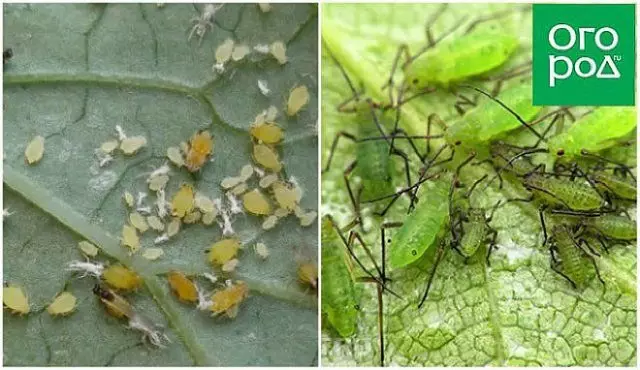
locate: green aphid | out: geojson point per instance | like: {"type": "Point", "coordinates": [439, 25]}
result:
{"type": "Point", "coordinates": [577, 195]}
{"type": "Point", "coordinates": [569, 258]}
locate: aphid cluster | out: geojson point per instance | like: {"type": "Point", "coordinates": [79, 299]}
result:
{"type": "Point", "coordinates": [128, 145]}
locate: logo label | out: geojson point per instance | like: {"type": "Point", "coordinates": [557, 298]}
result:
{"type": "Point", "coordinates": [584, 54]}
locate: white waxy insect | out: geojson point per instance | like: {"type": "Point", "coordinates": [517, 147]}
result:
{"type": "Point", "coordinates": [279, 51]}
{"type": "Point", "coordinates": [161, 239]}
{"type": "Point", "coordinates": [152, 253]}
{"type": "Point", "coordinates": [239, 189]}
{"type": "Point", "coordinates": [128, 199]}
{"type": "Point", "coordinates": [268, 180]}
{"type": "Point", "coordinates": [192, 217]}
{"type": "Point", "coordinates": [239, 52]}
{"type": "Point", "coordinates": [281, 212]}
{"type": "Point", "coordinates": [130, 238]}
{"type": "Point", "coordinates": [131, 145]}
{"type": "Point", "coordinates": [109, 146]}
{"type": "Point", "coordinates": [298, 98]}
{"type": "Point", "coordinates": [308, 218]}
{"type": "Point", "coordinates": [227, 229]}
{"type": "Point", "coordinates": [87, 268]}
{"type": "Point", "coordinates": [105, 160]}
{"type": "Point", "coordinates": [209, 276]}
{"type": "Point", "coordinates": [144, 210]}
{"type": "Point", "coordinates": [230, 182]}
{"type": "Point", "coordinates": [224, 51]}
{"type": "Point", "coordinates": [262, 48]}
{"type": "Point", "coordinates": [62, 305]}
{"type": "Point", "coordinates": [259, 171]}
{"type": "Point", "coordinates": [173, 227]}
{"type": "Point", "coordinates": [230, 265]}
{"type": "Point", "coordinates": [203, 21]}
{"type": "Point", "coordinates": [35, 149]}
{"type": "Point", "coordinates": [161, 204]}
{"type": "Point", "coordinates": [204, 203]}
{"type": "Point", "coordinates": [175, 156]}
{"type": "Point", "coordinates": [246, 172]}
{"type": "Point", "coordinates": [204, 301]}
{"type": "Point", "coordinates": [158, 182]}
{"type": "Point", "coordinates": [270, 222]}
{"type": "Point", "coordinates": [138, 221]}
{"type": "Point", "coordinates": [150, 331]}
{"type": "Point", "coordinates": [218, 68]}
{"type": "Point", "coordinates": [262, 250]}
{"type": "Point", "coordinates": [299, 212]}
{"type": "Point", "coordinates": [120, 132]}
{"type": "Point", "coordinates": [162, 170]}
{"type": "Point", "coordinates": [272, 113]}
{"type": "Point", "coordinates": [264, 7]}
{"type": "Point", "coordinates": [6, 214]}
{"type": "Point", "coordinates": [155, 223]}
{"type": "Point", "coordinates": [208, 218]}
{"type": "Point", "coordinates": [264, 88]}
{"type": "Point", "coordinates": [141, 198]}
{"type": "Point", "coordinates": [234, 204]}
{"type": "Point", "coordinates": [88, 249]}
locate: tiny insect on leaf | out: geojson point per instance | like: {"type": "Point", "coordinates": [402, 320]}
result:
{"type": "Point", "coordinates": [266, 157]}
{"type": "Point", "coordinates": [14, 298]}
{"type": "Point", "coordinates": [279, 51]}
{"type": "Point", "coordinates": [132, 145]}
{"type": "Point", "coordinates": [227, 299]}
{"type": "Point", "coordinates": [35, 149]}
{"type": "Point", "coordinates": [120, 277]}
{"type": "Point", "coordinates": [268, 133]}
{"type": "Point", "coordinates": [88, 249]}
{"type": "Point", "coordinates": [130, 238]}
{"type": "Point", "coordinates": [183, 201]}
{"type": "Point", "coordinates": [308, 274]}
{"type": "Point", "coordinates": [182, 286]}
{"type": "Point", "coordinates": [224, 51]}
{"type": "Point", "coordinates": [199, 148]}
{"type": "Point", "coordinates": [175, 156]}
{"type": "Point", "coordinates": [155, 223]}
{"type": "Point", "coordinates": [256, 203]}
{"type": "Point", "coordinates": [138, 221]}
{"type": "Point", "coordinates": [63, 304]}
{"type": "Point", "coordinates": [223, 251]}
{"type": "Point", "coordinates": [109, 146]}
{"type": "Point", "coordinates": [298, 98]}
{"type": "Point", "coordinates": [152, 254]}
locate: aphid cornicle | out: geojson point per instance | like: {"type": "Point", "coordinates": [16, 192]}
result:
{"type": "Point", "coordinates": [199, 149]}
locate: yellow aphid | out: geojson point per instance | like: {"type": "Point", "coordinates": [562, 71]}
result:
{"type": "Point", "coordinates": [120, 277]}
{"type": "Point", "coordinates": [203, 203]}
{"type": "Point", "coordinates": [130, 238]}
{"type": "Point", "coordinates": [115, 304]}
{"type": "Point", "coordinates": [286, 196]}
{"type": "Point", "coordinates": [158, 182]}
{"type": "Point", "coordinates": [230, 265]}
{"type": "Point", "coordinates": [262, 250]}
{"type": "Point", "coordinates": [88, 249]}
{"type": "Point", "coordinates": [239, 52]}
{"type": "Point", "coordinates": [175, 156]}
{"type": "Point", "coordinates": [200, 147]}
{"type": "Point", "coordinates": [182, 287]}
{"type": "Point", "coordinates": [228, 299]}
{"type": "Point", "coordinates": [256, 203]}
{"type": "Point", "coordinates": [155, 222]}
{"type": "Point", "coordinates": [279, 51]}
{"type": "Point", "coordinates": [138, 221]}
{"type": "Point", "coordinates": [109, 146]}
{"type": "Point", "coordinates": [173, 227]}
{"type": "Point", "coordinates": [265, 7]}
{"type": "Point", "coordinates": [192, 217]}
{"type": "Point", "coordinates": [268, 133]}
{"type": "Point", "coordinates": [15, 300]}
{"type": "Point", "coordinates": [308, 274]}
{"type": "Point", "coordinates": [240, 189]}
{"type": "Point", "coordinates": [308, 218]}
{"type": "Point", "coordinates": [223, 251]}
{"type": "Point", "coordinates": [271, 114]}
{"type": "Point", "coordinates": [281, 212]}
{"type": "Point", "coordinates": [208, 218]}
{"type": "Point", "coordinates": [129, 199]}
{"type": "Point", "coordinates": [152, 254]}
{"type": "Point", "coordinates": [246, 172]}
{"type": "Point", "coordinates": [298, 98]}
{"type": "Point", "coordinates": [268, 180]}
{"type": "Point", "coordinates": [270, 222]}
{"type": "Point", "coordinates": [266, 157]}
{"type": "Point", "coordinates": [229, 182]}
{"type": "Point", "coordinates": [63, 304]}
{"type": "Point", "coordinates": [35, 149]}
{"type": "Point", "coordinates": [131, 145]}
{"type": "Point", "coordinates": [183, 201]}
{"type": "Point", "coordinates": [223, 52]}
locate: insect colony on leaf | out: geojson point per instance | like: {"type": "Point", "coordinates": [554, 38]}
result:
{"type": "Point", "coordinates": [582, 199]}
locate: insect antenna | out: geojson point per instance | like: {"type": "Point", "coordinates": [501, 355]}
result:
{"type": "Point", "coordinates": [439, 254]}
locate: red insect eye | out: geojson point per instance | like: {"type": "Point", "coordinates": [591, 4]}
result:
{"type": "Point", "coordinates": [560, 152]}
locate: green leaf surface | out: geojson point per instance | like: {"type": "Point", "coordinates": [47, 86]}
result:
{"type": "Point", "coordinates": [78, 71]}
{"type": "Point", "coordinates": [517, 312]}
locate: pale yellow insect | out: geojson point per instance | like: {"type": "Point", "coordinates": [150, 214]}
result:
{"type": "Point", "coordinates": [228, 299]}
{"type": "Point", "coordinates": [268, 133]}
{"type": "Point", "coordinates": [246, 172]}
{"type": "Point", "coordinates": [120, 277]}
{"type": "Point", "coordinates": [182, 286]}
{"type": "Point", "coordinates": [158, 182]}
{"type": "Point", "coordinates": [192, 217]}
{"type": "Point", "coordinates": [200, 147]}
{"type": "Point", "coordinates": [281, 212]}
{"type": "Point", "coordinates": [204, 203]}
{"type": "Point", "coordinates": [88, 249]}
{"type": "Point", "coordinates": [183, 201]}
{"type": "Point", "coordinates": [131, 145]}
{"type": "Point", "coordinates": [35, 149]}
{"type": "Point", "coordinates": [208, 218]}
{"type": "Point", "coordinates": [256, 203]}
{"type": "Point", "coordinates": [152, 254]}
{"type": "Point", "coordinates": [223, 251]}
{"type": "Point", "coordinates": [129, 199]}
{"type": "Point", "coordinates": [268, 180]}
{"type": "Point", "coordinates": [279, 51]}
{"type": "Point", "coordinates": [271, 113]}
{"type": "Point", "coordinates": [239, 189]}
{"type": "Point", "coordinates": [229, 182]}
{"type": "Point", "coordinates": [155, 222]}
{"type": "Point", "coordinates": [308, 218]}
{"type": "Point", "coordinates": [270, 222]}
{"type": "Point", "coordinates": [130, 238]}
{"type": "Point", "coordinates": [286, 196]}
{"type": "Point", "coordinates": [265, 7]}
{"type": "Point", "coordinates": [239, 52]}
{"type": "Point", "coordinates": [298, 98]}
{"type": "Point", "coordinates": [175, 156]}
{"type": "Point", "coordinates": [138, 221]}
{"type": "Point", "coordinates": [224, 51]}
{"type": "Point", "coordinates": [230, 265]}
{"type": "Point", "coordinates": [173, 227]}
{"type": "Point", "coordinates": [109, 146]}
{"type": "Point", "coordinates": [308, 274]}
{"type": "Point", "coordinates": [15, 300]}
{"type": "Point", "coordinates": [262, 250]}
{"type": "Point", "coordinates": [63, 304]}
{"type": "Point", "coordinates": [266, 157]}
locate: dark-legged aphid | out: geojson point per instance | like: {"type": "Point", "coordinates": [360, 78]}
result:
{"type": "Point", "coordinates": [577, 195]}
{"type": "Point", "coordinates": [606, 226]}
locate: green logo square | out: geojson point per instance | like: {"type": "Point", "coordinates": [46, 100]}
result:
{"type": "Point", "coordinates": [584, 54]}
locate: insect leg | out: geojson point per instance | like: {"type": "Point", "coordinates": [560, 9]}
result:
{"type": "Point", "coordinates": [463, 101]}
{"type": "Point", "coordinates": [346, 174]}
{"type": "Point", "coordinates": [494, 234]}
{"type": "Point", "coordinates": [381, 277]}
{"type": "Point", "coordinates": [543, 225]}
{"type": "Point", "coordinates": [403, 50]}
{"type": "Point", "coordinates": [439, 254]}
{"type": "Point", "coordinates": [487, 18]}
{"type": "Point", "coordinates": [433, 118]}
{"type": "Point", "coordinates": [557, 271]}
{"type": "Point", "coordinates": [621, 166]}
{"type": "Point", "coordinates": [335, 144]}
{"type": "Point", "coordinates": [380, 323]}
{"type": "Point", "coordinates": [405, 159]}
{"type": "Point", "coordinates": [590, 256]}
